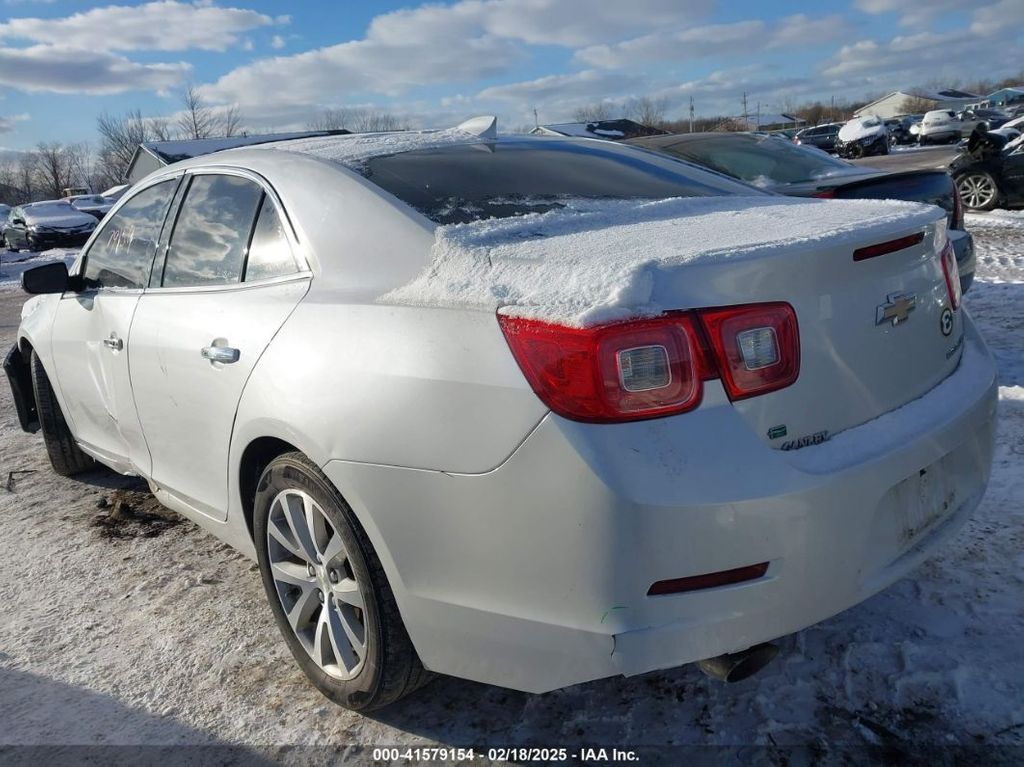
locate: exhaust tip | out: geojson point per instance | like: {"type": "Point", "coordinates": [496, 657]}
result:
{"type": "Point", "coordinates": [737, 666]}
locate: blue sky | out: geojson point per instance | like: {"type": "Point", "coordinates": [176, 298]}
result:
{"type": "Point", "coordinates": [63, 62]}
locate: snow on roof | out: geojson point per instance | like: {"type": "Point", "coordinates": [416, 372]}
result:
{"type": "Point", "coordinates": [947, 94]}
{"type": "Point", "coordinates": [597, 261]}
{"type": "Point", "coordinates": [114, 190]}
{"type": "Point", "coordinates": [174, 151]}
{"type": "Point", "coordinates": [354, 149]}
{"type": "Point", "coordinates": [861, 127]}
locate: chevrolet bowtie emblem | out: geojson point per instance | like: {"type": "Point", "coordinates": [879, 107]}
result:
{"type": "Point", "coordinates": [897, 308]}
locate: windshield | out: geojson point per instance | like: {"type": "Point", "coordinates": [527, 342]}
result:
{"type": "Point", "coordinates": [48, 209]}
{"type": "Point", "coordinates": [469, 182]}
{"type": "Point", "coordinates": [761, 160]}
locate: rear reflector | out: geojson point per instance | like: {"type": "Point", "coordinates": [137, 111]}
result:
{"type": "Point", "coordinates": [708, 580]}
{"type": "Point", "coordinates": [882, 248]}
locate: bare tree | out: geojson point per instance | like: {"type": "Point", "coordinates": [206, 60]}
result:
{"type": "Point", "coordinates": [357, 120]}
{"type": "Point", "coordinates": [119, 139]}
{"type": "Point", "coordinates": [647, 110]}
{"type": "Point", "coordinates": [913, 105]}
{"type": "Point", "coordinates": [55, 168]}
{"type": "Point", "coordinates": [230, 119]}
{"type": "Point", "coordinates": [27, 186]}
{"type": "Point", "coordinates": [331, 119]}
{"type": "Point", "coordinates": [599, 110]}
{"type": "Point", "coordinates": [197, 120]}
{"type": "Point", "coordinates": [158, 128]}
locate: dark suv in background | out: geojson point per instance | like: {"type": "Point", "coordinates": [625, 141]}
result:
{"type": "Point", "coordinates": [821, 136]}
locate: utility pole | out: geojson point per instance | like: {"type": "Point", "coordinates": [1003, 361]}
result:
{"type": "Point", "coordinates": [757, 125]}
{"type": "Point", "coordinates": [536, 122]}
{"type": "Point", "coordinates": [832, 110]}
{"type": "Point", "coordinates": [691, 114]}
{"type": "Point", "coordinates": [746, 124]}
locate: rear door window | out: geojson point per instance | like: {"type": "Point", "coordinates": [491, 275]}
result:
{"type": "Point", "coordinates": [122, 254]}
{"type": "Point", "coordinates": [211, 236]}
{"type": "Point", "coordinates": [270, 255]}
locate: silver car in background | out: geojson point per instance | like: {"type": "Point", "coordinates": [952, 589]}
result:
{"type": "Point", "coordinates": [373, 364]}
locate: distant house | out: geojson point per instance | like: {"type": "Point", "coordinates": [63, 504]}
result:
{"type": "Point", "coordinates": [1006, 96]}
{"type": "Point", "coordinates": [614, 130]}
{"type": "Point", "coordinates": [153, 155]}
{"type": "Point", "coordinates": [893, 105]}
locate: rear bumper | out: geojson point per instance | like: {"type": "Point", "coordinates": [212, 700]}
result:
{"type": "Point", "coordinates": [535, 575]}
{"type": "Point", "coordinates": [966, 261]}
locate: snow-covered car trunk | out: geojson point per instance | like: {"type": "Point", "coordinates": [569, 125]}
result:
{"type": "Point", "coordinates": [872, 331]}
{"type": "Point", "coordinates": [875, 322]}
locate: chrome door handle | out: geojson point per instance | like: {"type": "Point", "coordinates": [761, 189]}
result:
{"type": "Point", "coordinates": [225, 354]}
{"type": "Point", "coordinates": [113, 343]}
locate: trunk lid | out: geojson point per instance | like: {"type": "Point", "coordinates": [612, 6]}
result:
{"type": "Point", "coordinates": [854, 365]}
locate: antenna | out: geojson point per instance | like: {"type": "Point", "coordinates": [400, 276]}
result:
{"type": "Point", "coordinates": [691, 114]}
{"type": "Point", "coordinates": [484, 126]}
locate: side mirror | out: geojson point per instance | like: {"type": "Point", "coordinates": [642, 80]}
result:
{"type": "Point", "coordinates": [19, 221]}
{"type": "Point", "coordinates": [48, 278]}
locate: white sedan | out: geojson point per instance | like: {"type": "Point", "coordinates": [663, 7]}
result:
{"type": "Point", "coordinates": [529, 411]}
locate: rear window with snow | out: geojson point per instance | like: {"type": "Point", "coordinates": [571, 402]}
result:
{"type": "Point", "coordinates": [463, 183]}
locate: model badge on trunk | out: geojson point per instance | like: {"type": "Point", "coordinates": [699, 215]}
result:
{"type": "Point", "coordinates": [897, 308]}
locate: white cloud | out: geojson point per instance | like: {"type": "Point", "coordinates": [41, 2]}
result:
{"type": "Point", "coordinates": [998, 17]}
{"type": "Point", "coordinates": [914, 12]}
{"type": "Point", "coordinates": [588, 85]}
{"type": "Point", "coordinates": [440, 44]}
{"type": "Point", "coordinates": [277, 42]}
{"type": "Point", "coordinates": [726, 40]}
{"type": "Point", "coordinates": [8, 123]}
{"type": "Point", "coordinates": [165, 25]}
{"type": "Point", "coordinates": [65, 70]}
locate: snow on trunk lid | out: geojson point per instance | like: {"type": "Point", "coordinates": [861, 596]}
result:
{"type": "Point", "coordinates": [592, 262]}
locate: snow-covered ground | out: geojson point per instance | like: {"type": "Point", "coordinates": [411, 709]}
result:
{"type": "Point", "coordinates": [12, 264]}
{"type": "Point", "coordinates": [148, 630]}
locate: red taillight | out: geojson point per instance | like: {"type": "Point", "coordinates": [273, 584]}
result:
{"type": "Point", "coordinates": [708, 580]}
{"type": "Point", "coordinates": [827, 194]}
{"type": "Point", "coordinates": [952, 274]}
{"type": "Point", "coordinates": [757, 347]}
{"type": "Point", "coordinates": [618, 372]}
{"type": "Point", "coordinates": [629, 371]}
{"type": "Point", "coordinates": [890, 246]}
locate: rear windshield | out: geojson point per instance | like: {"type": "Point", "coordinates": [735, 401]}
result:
{"type": "Point", "coordinates": [760, 160]}
{"type": "Point", "coordinates": [470, 182]}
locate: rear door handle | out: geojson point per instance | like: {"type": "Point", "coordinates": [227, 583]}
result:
{"type": "Point", "coordinates": [113, 343]}
{"type": "Point", "coordinates": [225, 354]}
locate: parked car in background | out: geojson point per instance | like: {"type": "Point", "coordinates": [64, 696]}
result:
{"type": "Point", "coordinates": [94, 204]}
{"type": "Point", "coordinates": [972, 118]}
{"type": "Point", "coordinates": [862, 137]}
{"type": "Point", "coordinates": [901, 129]}
{"type": "Point", "coordinates": [940, 126]}
{"type": "Point", "coordinates": [821, 136]}
{"type": "Point", "coordinates": [114, 193]}
{"type": "Point", "coordinates": [601, 450]}
{"type": "Point", "coordinates": [990, 172]}
{"type": "Point", "coordinates": [49, 224]}
{"type": "Point", "coordinates": [5, 211]}
{"type": "Point", "coordinates": [797, 171]}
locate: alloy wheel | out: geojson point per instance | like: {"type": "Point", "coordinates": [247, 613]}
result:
{"type": "Point", "coordinates": [977, 190]}
{"type": "Point", "coordinates": [316, 584]}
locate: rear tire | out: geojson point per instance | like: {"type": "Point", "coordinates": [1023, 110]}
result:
{"type": "Point", "coordinates": [66, 457]}
{"type": "Point", "coordinates": [345, 631]}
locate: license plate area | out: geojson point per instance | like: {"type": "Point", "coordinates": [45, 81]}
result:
{"type": "Point", "coordinates": [922, 501]}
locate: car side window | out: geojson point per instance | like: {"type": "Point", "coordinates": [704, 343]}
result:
{"type": "Point", "coordinates": [121, 256]}
{"type": "Point", "coordinates": [269, 253]}
{"type": "Point", "coordinates": [215, 222]}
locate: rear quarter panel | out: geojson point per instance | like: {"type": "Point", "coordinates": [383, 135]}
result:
{"type": "Point", "coordinates": [416, 387]}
